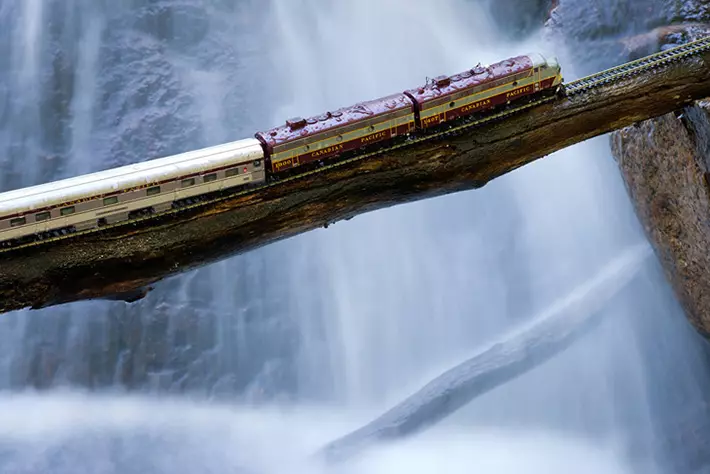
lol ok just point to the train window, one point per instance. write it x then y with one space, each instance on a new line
152 191
67 210
187 182
18 221
257 163
231 172
42 216
110 200
209 177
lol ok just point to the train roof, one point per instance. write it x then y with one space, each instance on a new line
445 85
297 128
136 174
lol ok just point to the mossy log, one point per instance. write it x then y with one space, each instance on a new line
123 262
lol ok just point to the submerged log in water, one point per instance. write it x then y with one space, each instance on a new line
123 260
547 335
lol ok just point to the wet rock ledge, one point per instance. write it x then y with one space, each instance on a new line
665 166
664 163
665 160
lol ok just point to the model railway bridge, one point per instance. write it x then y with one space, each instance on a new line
121 260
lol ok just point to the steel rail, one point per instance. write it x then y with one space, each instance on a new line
571 89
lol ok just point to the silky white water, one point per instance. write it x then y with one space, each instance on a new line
82 434
418 284
415 287
52 433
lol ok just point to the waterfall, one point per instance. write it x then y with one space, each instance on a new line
252 363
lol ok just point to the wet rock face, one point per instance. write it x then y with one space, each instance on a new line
600 35
664 163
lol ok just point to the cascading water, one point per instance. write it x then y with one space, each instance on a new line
419 286
343 321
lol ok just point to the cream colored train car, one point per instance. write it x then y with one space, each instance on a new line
114 195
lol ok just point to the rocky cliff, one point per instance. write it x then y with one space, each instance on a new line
664 163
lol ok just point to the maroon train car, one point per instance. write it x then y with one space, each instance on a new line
327 136
447 98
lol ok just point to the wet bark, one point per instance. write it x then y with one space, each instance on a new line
127 260
551 333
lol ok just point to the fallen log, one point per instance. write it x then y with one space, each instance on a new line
127 260
546 336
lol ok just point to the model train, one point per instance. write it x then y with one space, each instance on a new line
154 186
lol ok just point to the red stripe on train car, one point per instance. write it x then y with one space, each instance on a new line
298 128
478 106
333 150
444 86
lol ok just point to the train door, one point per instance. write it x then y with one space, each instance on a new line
537 76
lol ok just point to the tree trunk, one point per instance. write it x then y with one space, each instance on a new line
548 335
123 260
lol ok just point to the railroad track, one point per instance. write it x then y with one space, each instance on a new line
572 89
638 66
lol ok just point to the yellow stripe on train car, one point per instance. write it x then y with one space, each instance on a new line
353 135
